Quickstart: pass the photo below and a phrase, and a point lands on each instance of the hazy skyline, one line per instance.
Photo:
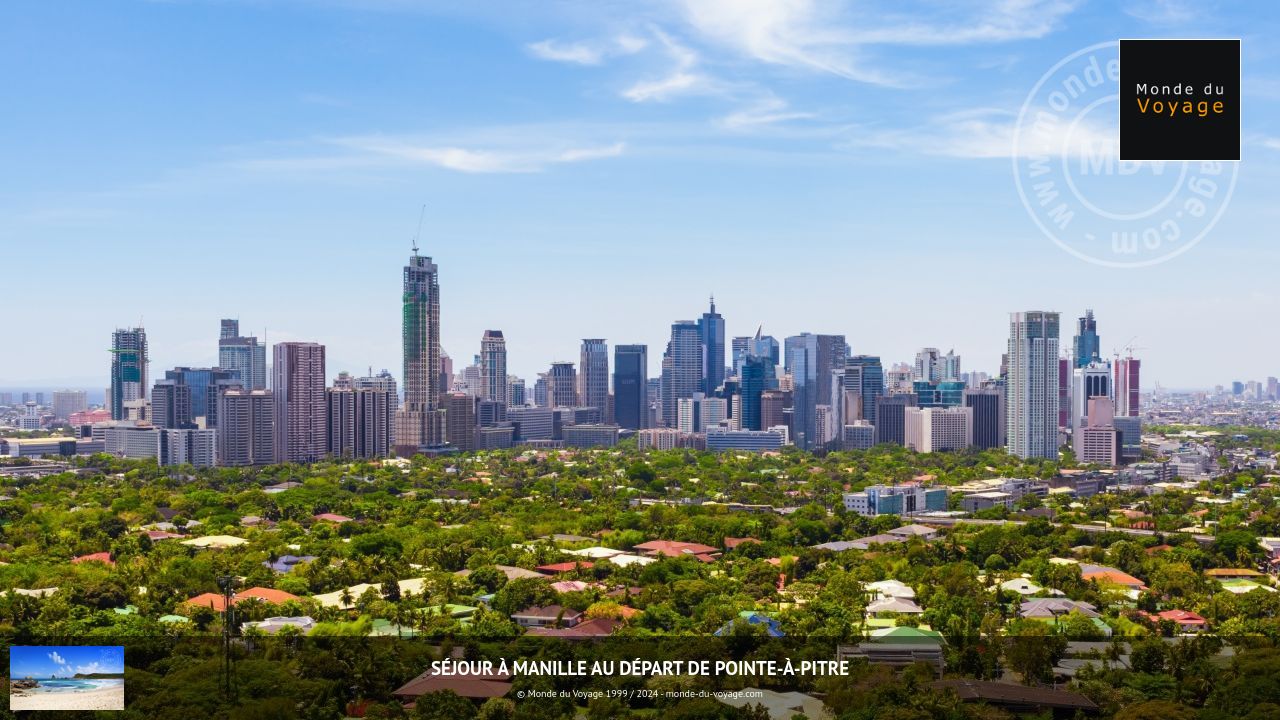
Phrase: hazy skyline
(589, 170)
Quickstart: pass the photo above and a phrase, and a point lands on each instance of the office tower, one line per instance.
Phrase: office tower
(171, 405)
(810, 359)
(246, 427)
(202, 382)
(949, 366)
(1129, 430)
(593, 376)
(243, 355)
(1065, 368)
(765, 346)
(870, 376)
(532, 423)
(128, 369)
(938, 429)
(711, 338)
(860, 435)
(340, 418)
(1087, 344)
(988, 406)
(40, 399)
(1128, 386)
(516, 396)
(754, 377)
(739, 349)
(460, 421)
(445, 380)
(1273, 390)
(1087, 382)
(1097, 440)
(928, 368)
(66, 403)
(540, 391)
(681, 368)
(1032, 386)
(562, 385)
(417, 422)
(298, 389)
(631, 386)
(891, 417)
(774, 408)
(493, 367)
(689, 413)
(1237, 388)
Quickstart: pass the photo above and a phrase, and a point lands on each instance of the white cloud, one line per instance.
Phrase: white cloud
(828, 37)
(767, 111)
(93, 667)
(54, 656)
(470, 160)
(587, 53)
(989, 133)
(682, 79)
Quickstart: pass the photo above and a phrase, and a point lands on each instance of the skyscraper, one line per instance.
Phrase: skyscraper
(711, 338)
(988, 406)
(203, 383)
(245, 434)
(562, 382)
(871, 387)
(128, 369)
(1032, 386)
(681, 368)
(593, 374)
(68, 402)
(171, 405)
(300, 409)
(1088, 382)
(928, 368)
(242, 355)
(493, 367)
(891, 418)
(1128, 386)
(417, 423)
(811, 359)
(630, 386)
(753, 381)
(460, 421)
(1086, 347)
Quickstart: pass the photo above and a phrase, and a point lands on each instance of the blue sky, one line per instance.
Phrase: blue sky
(64, 661)
(589, 170)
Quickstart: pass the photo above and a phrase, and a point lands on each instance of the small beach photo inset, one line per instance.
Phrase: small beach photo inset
(66, 677)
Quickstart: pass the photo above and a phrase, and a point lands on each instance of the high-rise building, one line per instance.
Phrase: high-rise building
(928, 368)
(753, 382)
(171, 405)
(1032, 386)
(774, 408)
(630, 386)
(711, 338)
(187, 446)
(681, 368)
(246, 427)
(1096, 440)
(128, 369)
(938, 429)
(739, 349)
(493, 367)
(988, 406)
(1065, 367)
(243, 355)
(460, 421)
(1128, 372)
(811, 359)
(298, 379)
(417, 423)
(516, 392)
(593, 375)
(202, 382)
(562, 381)
(361, 415)
(1086, 347)
(68, 402)
(340, 418)
(868, 375)
(891, 418)
(1087, 382)
(949, 366)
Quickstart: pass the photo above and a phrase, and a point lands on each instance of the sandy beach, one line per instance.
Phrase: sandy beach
(110, 698)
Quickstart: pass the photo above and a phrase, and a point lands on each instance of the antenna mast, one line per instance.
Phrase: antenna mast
(418, 234)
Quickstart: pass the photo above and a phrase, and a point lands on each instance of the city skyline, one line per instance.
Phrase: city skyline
(659, 149)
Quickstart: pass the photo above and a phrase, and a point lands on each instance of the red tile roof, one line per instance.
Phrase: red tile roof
(1114, 577)
(210, 600)
(733, 542)
(331, 517)
(270, 595)
(564, 567)
(102, 557)
(671, 548)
